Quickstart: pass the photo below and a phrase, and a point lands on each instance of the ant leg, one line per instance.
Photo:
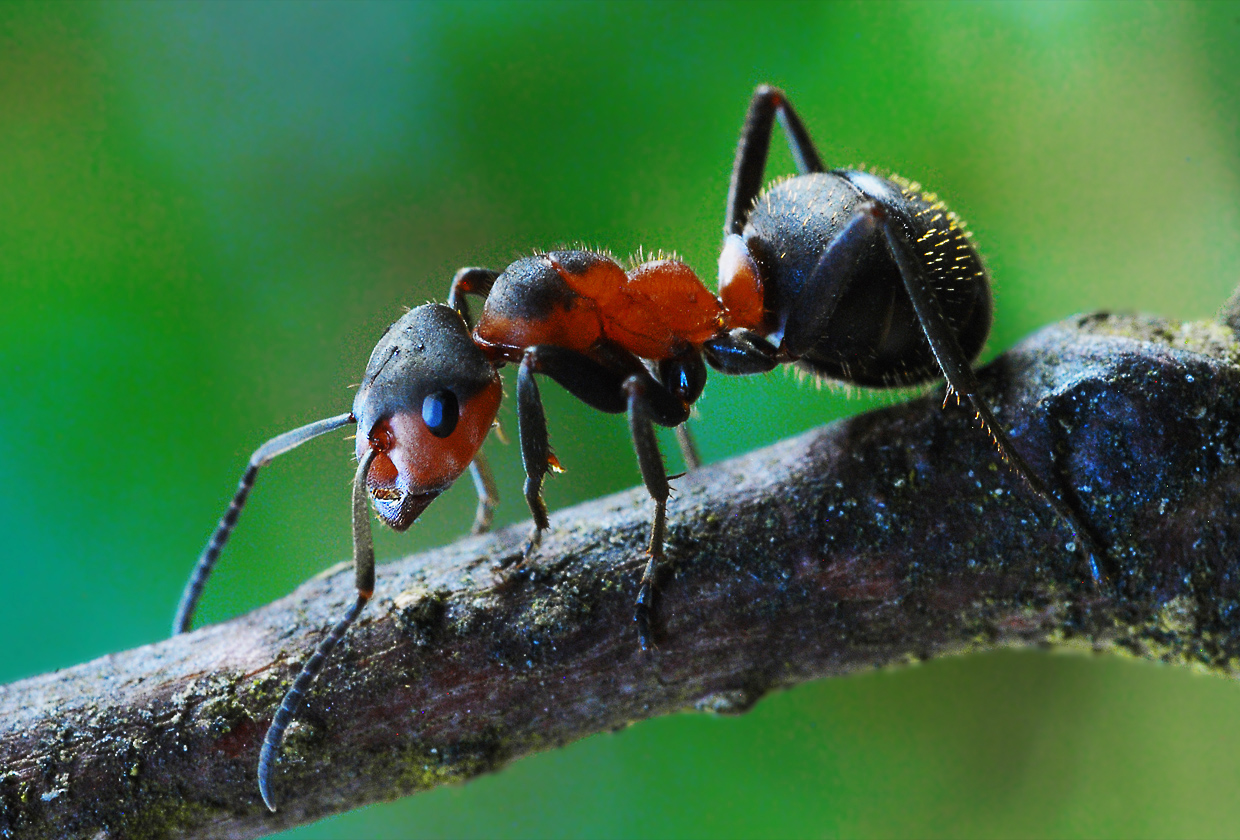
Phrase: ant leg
(472, 281)
(619, 383)
(750, 163)
(826, 284)
(273, 448)
(684, 374)
(488, 494)
(741, 352)
(364, 573)
(476, 281)
(650, 402)
(592, 383)
(961, 380)
(535, 449)
(688, 447)
(654, 475)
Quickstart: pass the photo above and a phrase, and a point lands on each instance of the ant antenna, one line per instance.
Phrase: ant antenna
(273, 448)
(364, 570)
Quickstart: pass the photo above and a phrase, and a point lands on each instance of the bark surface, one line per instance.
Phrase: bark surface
(890, 537)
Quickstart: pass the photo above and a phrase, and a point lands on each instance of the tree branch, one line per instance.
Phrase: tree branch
(890, 537)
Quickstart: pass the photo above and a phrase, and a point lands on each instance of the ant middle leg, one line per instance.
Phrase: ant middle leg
(684, 375)
(688, 447)
(617, 384)
(649, 402)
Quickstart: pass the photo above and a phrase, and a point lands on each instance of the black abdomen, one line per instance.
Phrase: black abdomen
(873, 338)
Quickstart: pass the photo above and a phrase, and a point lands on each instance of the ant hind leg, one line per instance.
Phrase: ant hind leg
(768, 103)
(961, 379)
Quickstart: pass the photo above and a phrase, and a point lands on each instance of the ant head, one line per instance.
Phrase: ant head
(426, 403)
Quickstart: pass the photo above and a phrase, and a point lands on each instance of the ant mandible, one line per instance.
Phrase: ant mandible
(847, 274)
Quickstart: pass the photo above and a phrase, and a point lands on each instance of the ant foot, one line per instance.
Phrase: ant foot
(513, 562)
(509, 562)
(641, 614)
(532, 545)
(1094, 559)
(482, 521)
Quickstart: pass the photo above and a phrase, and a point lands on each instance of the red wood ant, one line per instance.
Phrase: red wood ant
(847, 274)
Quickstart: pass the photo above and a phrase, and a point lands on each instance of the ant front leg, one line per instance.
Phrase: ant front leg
(469, 281)
(589, 381)
(750, 164)
(535, 447)
(961, 379)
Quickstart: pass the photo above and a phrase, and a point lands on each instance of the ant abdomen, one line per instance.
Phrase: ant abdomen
(873, 338)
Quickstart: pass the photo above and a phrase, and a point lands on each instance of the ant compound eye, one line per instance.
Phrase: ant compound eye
(440, 412)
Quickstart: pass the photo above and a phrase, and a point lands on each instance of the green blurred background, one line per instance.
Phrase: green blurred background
(209, 212)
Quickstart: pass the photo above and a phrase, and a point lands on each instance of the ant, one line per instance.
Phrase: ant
(847, 274)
